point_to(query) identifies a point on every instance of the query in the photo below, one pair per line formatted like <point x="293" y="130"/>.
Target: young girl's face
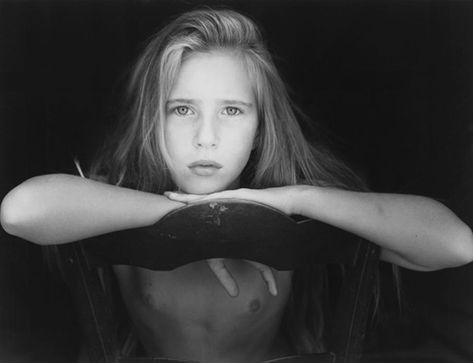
<point x="211" y="122"/>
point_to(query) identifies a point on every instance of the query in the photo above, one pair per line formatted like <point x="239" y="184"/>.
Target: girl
<point x="209" y="117"/>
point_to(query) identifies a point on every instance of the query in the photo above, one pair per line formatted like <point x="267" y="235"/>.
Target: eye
<point x="232" y="111"/>
<point x="182" y="110"/>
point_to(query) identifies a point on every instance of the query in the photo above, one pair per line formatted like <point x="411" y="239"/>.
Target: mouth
<point x="204" y="167"/>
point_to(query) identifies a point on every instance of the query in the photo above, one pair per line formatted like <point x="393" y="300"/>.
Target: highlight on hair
<point x="136" y="155"/>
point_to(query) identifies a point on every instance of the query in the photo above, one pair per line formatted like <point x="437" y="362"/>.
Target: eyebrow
<point x="180" y="100"/>
<point x="193" y="101"/>
<point x="237" y="102"/>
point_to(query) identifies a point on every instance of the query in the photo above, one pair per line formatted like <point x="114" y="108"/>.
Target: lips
<point x="205" y="163"/>
<point x="204" y="167"/>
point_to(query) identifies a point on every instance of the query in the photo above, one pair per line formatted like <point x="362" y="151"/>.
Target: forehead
<point x="213" y="74"/>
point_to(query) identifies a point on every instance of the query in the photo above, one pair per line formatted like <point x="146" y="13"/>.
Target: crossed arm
<point x="414" y="232"/>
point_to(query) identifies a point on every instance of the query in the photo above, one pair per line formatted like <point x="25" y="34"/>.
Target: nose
<point x="206" y="133"/>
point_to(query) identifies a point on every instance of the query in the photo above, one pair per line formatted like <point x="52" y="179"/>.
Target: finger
<point x="226" y="194"/>
<point x="230" y="194"/>
<point x="268" y="276"/>
<point x="182" y="197"/>
<point x="218" y="267"/>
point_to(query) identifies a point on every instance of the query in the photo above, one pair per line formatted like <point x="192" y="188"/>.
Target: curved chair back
<point x="226" y="229"/>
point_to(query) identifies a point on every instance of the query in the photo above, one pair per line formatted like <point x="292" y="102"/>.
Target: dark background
<point x="391" y="83"/>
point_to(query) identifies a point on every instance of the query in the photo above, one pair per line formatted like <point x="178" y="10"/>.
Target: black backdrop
<point x="391" y="83"/>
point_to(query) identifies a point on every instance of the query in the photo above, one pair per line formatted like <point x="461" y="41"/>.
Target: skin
<point x="210" y="115"/>
<point x="413" y="231"/>
<point x="189" y="303"/>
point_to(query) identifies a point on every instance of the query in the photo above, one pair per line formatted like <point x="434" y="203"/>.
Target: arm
<point x="60" y="208"/>
<point x="413" y="232"/>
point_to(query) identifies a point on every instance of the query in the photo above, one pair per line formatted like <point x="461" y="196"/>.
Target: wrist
<point x="298" y="198"/>
<point x="154" y="207"/>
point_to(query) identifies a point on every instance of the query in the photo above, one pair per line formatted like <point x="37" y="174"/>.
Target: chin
<point x="204" y="187"/>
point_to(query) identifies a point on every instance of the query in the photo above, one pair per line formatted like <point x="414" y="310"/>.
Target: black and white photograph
<point x="236" y="181"/>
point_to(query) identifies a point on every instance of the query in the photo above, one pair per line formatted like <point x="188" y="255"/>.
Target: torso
<point x="187" y="314"/>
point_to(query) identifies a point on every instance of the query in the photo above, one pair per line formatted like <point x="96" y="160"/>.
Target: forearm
<point x="61" y="208"/>
<point x="413" y="231"/>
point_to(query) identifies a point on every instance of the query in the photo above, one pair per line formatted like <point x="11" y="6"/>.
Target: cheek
<point x="174" y="151"/>
<point x="175" y="140"/>
<point x="242" y="147"/>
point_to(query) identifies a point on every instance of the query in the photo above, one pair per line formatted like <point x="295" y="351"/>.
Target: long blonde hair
<point x="136" y="155"/>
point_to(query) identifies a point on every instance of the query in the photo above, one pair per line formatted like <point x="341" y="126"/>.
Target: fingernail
<point x="233" y="292"/>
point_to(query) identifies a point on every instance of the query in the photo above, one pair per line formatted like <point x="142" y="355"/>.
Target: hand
<point x="281" y="198"/>
<point x="217" y="265"/>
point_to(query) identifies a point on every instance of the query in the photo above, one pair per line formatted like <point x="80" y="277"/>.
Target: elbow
<point x="23" y="203"/>
<point x="14" y="210"/>
<point x="11" y="212"/>
<point x="462" y="247"/>
<point x="456" y="251"/>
